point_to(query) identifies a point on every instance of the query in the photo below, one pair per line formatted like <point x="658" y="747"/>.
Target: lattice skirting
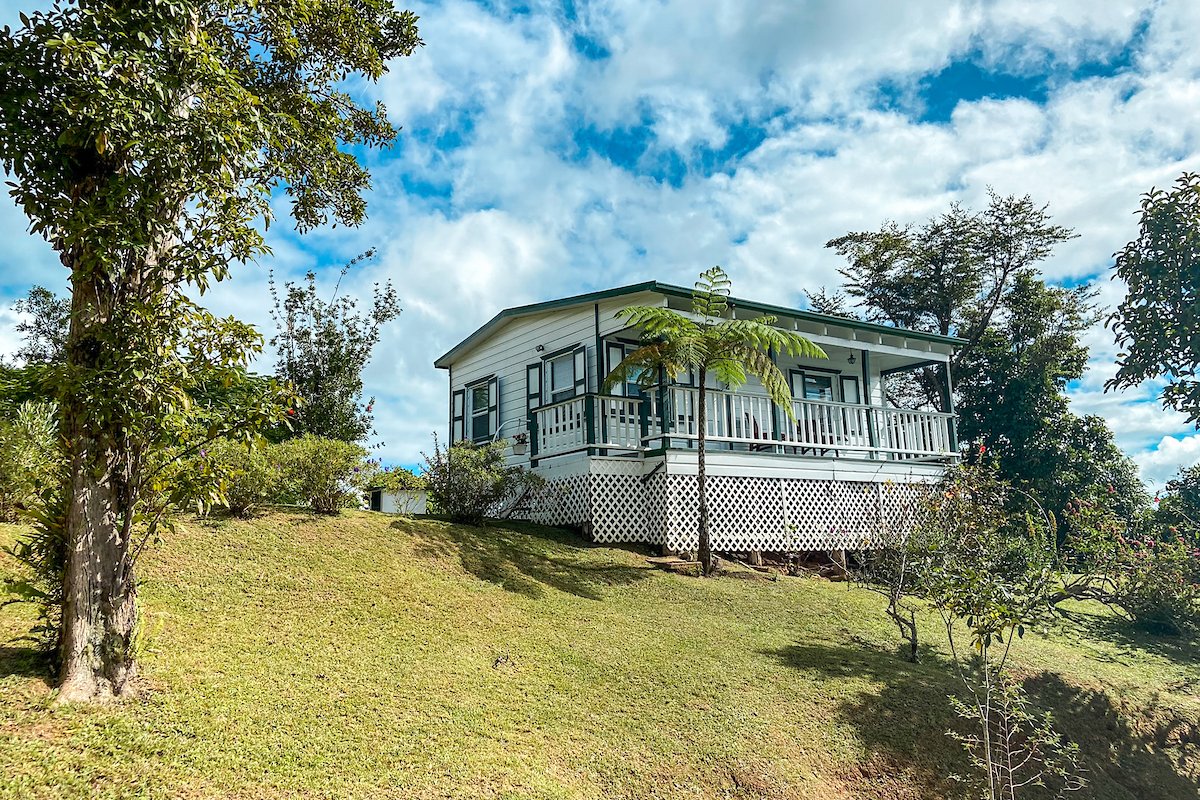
<point x="747" y="513"/>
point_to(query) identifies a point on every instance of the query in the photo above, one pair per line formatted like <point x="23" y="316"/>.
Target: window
<point x="850" y="392"/>
<point x="480" y="417"/>
<point x="561" y="374"/>
<point x="617" y="351"/>
<point x="818" y="387"/>
<point x="812" y="385"/>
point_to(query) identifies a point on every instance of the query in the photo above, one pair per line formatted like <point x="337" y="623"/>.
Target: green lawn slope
<point x="367" y="656"/>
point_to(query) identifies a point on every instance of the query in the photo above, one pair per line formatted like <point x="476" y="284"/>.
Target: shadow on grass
<point x="524" y="561"/>
<point x="23" y="662"/>
<point x="1132" y="640"/>
<point x="1153" y="754"/>
<point x="904" y="722"/>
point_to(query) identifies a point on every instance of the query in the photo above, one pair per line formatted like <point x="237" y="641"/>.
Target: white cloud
<point x="1166" y="459"/>
<point x="509" y="213"/>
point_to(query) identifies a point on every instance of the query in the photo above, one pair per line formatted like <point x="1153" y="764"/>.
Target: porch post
<point x="532" y="426"/>
<point x="872" y="429"/>
<point x="948" y="405"/>
<point x="589" y="421"/>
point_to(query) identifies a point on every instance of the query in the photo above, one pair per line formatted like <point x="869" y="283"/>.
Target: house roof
<point x="670" y="290"/>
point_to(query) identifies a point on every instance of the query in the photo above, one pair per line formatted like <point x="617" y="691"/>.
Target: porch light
<point x="851" y="359"/>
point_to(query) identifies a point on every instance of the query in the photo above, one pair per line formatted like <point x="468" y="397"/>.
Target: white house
<point x="622" y="465"/>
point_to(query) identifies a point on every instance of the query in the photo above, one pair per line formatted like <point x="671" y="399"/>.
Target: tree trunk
<point x="99" y="594"/>
<point x="703" y="546"/>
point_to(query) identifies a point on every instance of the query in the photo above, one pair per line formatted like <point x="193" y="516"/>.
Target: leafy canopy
<point x="709" y="340"/>
<point x="1157" y="325"/>
<point x="322" y="348"/>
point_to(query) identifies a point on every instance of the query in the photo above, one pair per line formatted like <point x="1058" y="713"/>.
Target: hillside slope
<point x="371" y="656"/>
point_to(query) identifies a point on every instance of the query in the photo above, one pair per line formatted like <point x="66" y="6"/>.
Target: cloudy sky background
<point x="550" y="149"/>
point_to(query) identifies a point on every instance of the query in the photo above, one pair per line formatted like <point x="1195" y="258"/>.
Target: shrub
<point x="1147" y="568"/>
<point x="469" y="482"/>
<point x="324" y="474"/>
<point x="247" y="474"/>
<point x="29" y="458"/>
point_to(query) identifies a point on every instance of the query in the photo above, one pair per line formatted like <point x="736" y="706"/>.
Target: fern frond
<point x="710" y="298"/>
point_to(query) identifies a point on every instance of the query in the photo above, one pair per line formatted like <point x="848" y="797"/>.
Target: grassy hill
<point x="370" y="656"/>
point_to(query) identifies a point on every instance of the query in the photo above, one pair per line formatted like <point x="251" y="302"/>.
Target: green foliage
<point x="470" y="482"/>
<point x="145" y="142"/>
<point x="730" y="349"/>
<point x="325" y="474"/>
<point x="981" y="565"/>
<point x="1148" y="567"/>
<point x="44" y="330"/>
<point x="394" y="479"/>
<point x="1157" y="323"/>
<point x="247" y="472"/>
<point x="31" y="462"/>
<point x="30" y="458"/>
<point x="322" y="350"/>
<point x="996" y="574"/>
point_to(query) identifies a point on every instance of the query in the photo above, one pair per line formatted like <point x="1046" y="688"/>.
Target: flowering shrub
<point x="1160" y="581"/>
<point x="1148" y="569"/>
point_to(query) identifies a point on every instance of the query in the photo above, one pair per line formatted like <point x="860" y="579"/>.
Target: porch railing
<point x="737" y="420"/>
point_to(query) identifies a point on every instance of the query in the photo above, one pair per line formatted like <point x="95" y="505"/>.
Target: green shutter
<point x="580" y="370"/>
<point x="458" y="407"/>
<point x="533" y="386"/>
<point x="493" y="387"/>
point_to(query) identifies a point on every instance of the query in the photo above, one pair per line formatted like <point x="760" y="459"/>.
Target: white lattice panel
<point x="781" y="514"/>
<point x="747" y="513"/>
<point x="563" y="501"/>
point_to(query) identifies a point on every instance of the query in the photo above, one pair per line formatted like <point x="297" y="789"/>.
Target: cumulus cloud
<point x="1172" y="453"/>
<point x="549" y="151"/>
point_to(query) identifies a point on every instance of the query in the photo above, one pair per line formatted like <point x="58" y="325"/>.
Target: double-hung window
<point x="560" y="374"/>
<point x="480" y="418"/>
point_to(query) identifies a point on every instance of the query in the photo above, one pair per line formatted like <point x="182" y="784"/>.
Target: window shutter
<point x="458" y="403"/>
<point x="581" y="376"/>
<point x="615" y="354"/>
<point x="533" y="386"/>
<point x="493" y="405"/>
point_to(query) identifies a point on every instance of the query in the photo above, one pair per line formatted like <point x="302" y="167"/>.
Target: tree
<point x="1157" y="324"/>
<point x="144" y="141"/>
<point x="974" y="275"/>
<point x="1012" y="406"/>
<point x="994" y="574"/>
<point x="322" y="348"/>
<point x="44" y="333"/>
<point x="708" y="342"/>
<point x="948" y="276"/>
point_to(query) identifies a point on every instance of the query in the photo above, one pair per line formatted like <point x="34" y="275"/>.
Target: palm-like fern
<point x="708" y="341"/>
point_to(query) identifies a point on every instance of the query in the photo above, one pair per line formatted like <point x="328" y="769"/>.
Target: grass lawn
<point x="371" y="656"/>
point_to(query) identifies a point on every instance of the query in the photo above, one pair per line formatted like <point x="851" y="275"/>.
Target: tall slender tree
<point x="709" y="341"/>
<point x="144" y="142"/>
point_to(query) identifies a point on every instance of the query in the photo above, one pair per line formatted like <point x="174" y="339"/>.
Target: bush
<point x="29" y="458"/>
<point x="1147" y="568"/>
<point x="324" y="474"/>
<point x="248" y="474"/>
<point x="469" y="482"/>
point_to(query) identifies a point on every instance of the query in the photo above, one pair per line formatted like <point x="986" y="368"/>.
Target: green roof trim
<point x="444" y="361"/>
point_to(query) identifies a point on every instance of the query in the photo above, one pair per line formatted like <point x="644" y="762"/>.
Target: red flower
<point x="982" y="449"/>
<point x="291" y="412"/>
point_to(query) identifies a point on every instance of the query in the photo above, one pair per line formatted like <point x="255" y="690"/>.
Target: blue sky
<point x="553" y="148"/>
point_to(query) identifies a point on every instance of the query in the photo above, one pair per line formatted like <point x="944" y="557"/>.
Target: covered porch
<point x="667" y="419"/>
